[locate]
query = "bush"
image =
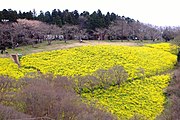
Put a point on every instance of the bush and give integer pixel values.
(8, 87)
(176, 40)
(55, 97)
(7, 113)
(100, 79)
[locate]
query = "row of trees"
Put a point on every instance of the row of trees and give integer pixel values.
(24, 32)
(27, 27)
(60, 18)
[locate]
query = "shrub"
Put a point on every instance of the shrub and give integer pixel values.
(54, 97)
(100, 79)
(118, 75)
(7, 113)
(8, 87)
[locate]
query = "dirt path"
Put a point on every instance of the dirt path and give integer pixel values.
(61, 45)
(85, 43)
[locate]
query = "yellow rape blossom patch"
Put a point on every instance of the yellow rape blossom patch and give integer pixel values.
(9, 68)
(165, 47)
(87, 59)
(137, 96)
(143, 97)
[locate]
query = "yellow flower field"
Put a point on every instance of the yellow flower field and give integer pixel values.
(142, 97)
(165, 47)
(136, 96)
(9, 68)
(86, 60)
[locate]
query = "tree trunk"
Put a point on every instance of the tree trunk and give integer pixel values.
(12, 42)
(49, 42)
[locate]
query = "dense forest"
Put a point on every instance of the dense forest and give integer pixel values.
(22, 28)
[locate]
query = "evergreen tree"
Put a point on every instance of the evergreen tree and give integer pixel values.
(60, 14)
(20, 15)
(56, 19)
(54, 16)
(96, 20)
(41, 16)
(34, 14)
(85, 14)
(48, 17)
(5, 14)
(113, 16)
(107, 19)
(54, 13)
(29, 15)
(64, 16)
(75, 17)
(9, 15)
(1, 16)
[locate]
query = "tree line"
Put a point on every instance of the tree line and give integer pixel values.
(22, 28)
(60, 18)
